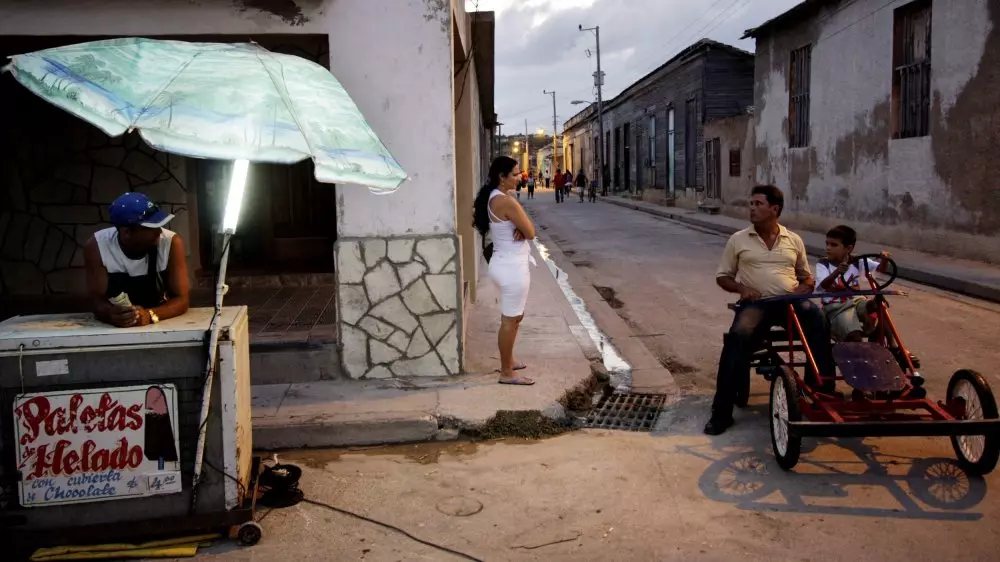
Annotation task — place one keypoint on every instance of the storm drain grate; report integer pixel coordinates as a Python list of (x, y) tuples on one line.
[(627, 412)]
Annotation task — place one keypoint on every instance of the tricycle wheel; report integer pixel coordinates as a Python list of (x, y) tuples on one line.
[(249, 533), (785, 408), (977, 454)]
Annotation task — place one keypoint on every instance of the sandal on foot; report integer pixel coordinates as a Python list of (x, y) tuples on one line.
[(519, 381)]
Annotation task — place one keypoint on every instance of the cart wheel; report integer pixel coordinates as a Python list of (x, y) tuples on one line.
[(977, 454), (785, 408), (249, 533)]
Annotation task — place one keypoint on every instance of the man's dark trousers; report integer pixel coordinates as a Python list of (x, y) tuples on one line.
[(752, 321)]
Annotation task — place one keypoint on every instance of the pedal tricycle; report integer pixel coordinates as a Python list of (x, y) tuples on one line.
[(888, 398)]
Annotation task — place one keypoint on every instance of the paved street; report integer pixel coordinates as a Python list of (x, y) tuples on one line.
[(674, 494)]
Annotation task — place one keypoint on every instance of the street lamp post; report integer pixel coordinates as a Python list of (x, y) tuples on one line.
[(599, 81), (553, 94)]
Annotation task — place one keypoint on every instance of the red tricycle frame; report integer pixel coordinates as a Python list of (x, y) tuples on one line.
[(800, 409)]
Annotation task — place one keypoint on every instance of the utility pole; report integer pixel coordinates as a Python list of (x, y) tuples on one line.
[(599, 82), (527, 152), (553, 94)]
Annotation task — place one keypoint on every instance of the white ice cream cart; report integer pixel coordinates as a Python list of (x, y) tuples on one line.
[(100, 427)]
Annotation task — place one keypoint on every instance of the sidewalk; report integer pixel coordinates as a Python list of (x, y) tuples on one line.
[(552, 342), (966, 277)]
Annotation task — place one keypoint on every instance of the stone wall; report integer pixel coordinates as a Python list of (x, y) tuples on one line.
[(398, 306), (57, 177)]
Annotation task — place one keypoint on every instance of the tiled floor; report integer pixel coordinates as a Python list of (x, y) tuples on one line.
[(288, 314)]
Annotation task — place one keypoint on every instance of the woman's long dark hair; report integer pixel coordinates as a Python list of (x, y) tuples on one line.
[(501, 166)]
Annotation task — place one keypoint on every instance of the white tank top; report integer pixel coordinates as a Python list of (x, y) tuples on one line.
[(502, 233), (115, 260)]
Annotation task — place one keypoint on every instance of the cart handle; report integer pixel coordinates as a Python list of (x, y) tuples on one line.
[(794, 297)]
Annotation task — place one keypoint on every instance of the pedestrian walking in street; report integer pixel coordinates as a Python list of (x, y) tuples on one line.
[(567, 183), (547, 179), (593, 191), (520, 183), (531, 187), (581, 183), (558, 186), (509, 256)]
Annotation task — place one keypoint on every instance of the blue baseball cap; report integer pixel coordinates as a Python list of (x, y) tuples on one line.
[(135, 209)]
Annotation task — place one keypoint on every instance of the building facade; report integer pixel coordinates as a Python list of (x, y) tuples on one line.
[(397, 272), (884, 116), (654, 129)]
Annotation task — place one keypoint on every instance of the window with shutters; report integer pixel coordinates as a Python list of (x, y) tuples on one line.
[(798, 98), (911, 75)]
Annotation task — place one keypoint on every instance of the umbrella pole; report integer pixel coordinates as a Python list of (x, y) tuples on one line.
[(213, 345)]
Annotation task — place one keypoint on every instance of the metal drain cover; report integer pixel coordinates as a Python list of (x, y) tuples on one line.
[(626, 412)]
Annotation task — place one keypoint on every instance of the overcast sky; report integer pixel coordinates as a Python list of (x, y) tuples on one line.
[(538, 46)]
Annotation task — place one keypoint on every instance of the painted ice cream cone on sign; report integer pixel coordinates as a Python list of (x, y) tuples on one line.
[(159, 443)]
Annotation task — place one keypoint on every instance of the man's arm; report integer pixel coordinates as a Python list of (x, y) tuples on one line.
[(725, 276), (805, 277), (178, 286), (97, 288)]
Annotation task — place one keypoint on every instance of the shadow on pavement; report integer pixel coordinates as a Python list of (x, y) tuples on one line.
[(834, 476)]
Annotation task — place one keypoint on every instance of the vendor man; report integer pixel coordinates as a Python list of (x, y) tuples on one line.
[(138, 257), (763, 260)]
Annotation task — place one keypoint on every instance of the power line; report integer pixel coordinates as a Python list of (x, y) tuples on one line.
[(728, 12), (683, 30)]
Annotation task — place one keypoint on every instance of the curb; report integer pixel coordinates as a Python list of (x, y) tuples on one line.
[(962, 287), (316, 433)]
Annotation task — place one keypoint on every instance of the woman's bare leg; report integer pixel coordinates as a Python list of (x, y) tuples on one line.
[(505, 341), (517, 329)]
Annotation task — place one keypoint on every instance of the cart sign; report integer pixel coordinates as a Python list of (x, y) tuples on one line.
[(97, 444)]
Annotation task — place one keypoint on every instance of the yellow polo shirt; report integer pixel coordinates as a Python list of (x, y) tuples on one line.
[(771, 272)]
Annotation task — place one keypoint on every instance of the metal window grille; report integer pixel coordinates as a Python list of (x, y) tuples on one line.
[(912, 72), (798, 107)]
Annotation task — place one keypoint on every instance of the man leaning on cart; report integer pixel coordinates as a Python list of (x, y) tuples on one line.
[(763, 260), (136, 269)]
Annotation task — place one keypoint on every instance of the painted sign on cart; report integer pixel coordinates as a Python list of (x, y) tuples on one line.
[(97, 444)]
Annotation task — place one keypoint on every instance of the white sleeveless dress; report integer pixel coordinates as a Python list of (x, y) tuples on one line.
[(509, 266)]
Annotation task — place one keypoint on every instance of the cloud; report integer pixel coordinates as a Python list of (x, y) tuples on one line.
[(539, 47)]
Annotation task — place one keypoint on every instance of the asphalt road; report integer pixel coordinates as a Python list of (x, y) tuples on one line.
[(663, 274)]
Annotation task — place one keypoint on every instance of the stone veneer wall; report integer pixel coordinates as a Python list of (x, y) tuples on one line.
[(398, 306), (55, 193)]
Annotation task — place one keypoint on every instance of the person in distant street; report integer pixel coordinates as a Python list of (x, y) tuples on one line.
[(605, 180), (547, 179), (558, 185), (764, 260), (581, 183), (567, 183), (139, 258), (531, 187)]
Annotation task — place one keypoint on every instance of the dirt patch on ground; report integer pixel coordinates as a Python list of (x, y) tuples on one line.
[(674, 365), (610, 296), (526, 425)]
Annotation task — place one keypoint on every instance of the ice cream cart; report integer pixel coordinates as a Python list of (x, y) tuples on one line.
[(100, 427)]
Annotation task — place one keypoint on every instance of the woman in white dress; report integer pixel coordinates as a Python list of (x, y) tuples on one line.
[(497, 213)]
